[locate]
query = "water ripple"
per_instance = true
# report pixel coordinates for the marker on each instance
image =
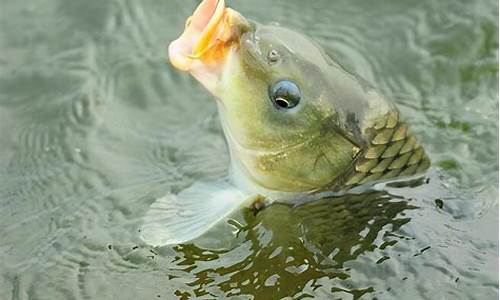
(95, 125)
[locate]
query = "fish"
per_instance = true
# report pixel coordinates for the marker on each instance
(296, 122)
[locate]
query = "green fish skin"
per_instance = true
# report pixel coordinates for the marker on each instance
(297, 124)
(342, 134)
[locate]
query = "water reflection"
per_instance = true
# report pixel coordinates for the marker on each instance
(94, 125)
(291, 250)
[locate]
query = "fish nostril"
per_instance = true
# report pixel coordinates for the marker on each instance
(273, 56)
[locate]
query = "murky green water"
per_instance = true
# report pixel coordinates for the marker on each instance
(94, 125)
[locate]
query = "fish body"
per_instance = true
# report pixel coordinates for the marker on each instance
(296, 122)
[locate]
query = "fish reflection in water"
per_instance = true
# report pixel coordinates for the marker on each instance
(293, 249)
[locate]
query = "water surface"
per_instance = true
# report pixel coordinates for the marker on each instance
(95, 125)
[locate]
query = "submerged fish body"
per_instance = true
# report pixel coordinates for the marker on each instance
(296, 122)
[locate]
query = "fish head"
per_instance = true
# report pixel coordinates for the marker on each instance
(292, 116)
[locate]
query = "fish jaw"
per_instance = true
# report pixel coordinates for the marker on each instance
(210, 35)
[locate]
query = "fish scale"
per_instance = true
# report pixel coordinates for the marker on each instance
(282, 148)
(393, 151)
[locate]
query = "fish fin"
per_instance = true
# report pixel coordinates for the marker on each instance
(175, 219)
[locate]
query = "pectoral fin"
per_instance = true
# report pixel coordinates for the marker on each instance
(179, 218)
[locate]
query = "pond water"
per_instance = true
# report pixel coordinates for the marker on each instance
(95, 125)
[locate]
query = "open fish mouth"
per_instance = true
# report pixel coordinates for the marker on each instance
(209, 35)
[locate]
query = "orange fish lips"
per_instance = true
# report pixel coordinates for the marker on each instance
(210, 33)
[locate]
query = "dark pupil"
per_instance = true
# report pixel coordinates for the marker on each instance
(284, 94)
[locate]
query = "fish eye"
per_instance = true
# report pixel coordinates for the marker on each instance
(284, 94)
(273, 56)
